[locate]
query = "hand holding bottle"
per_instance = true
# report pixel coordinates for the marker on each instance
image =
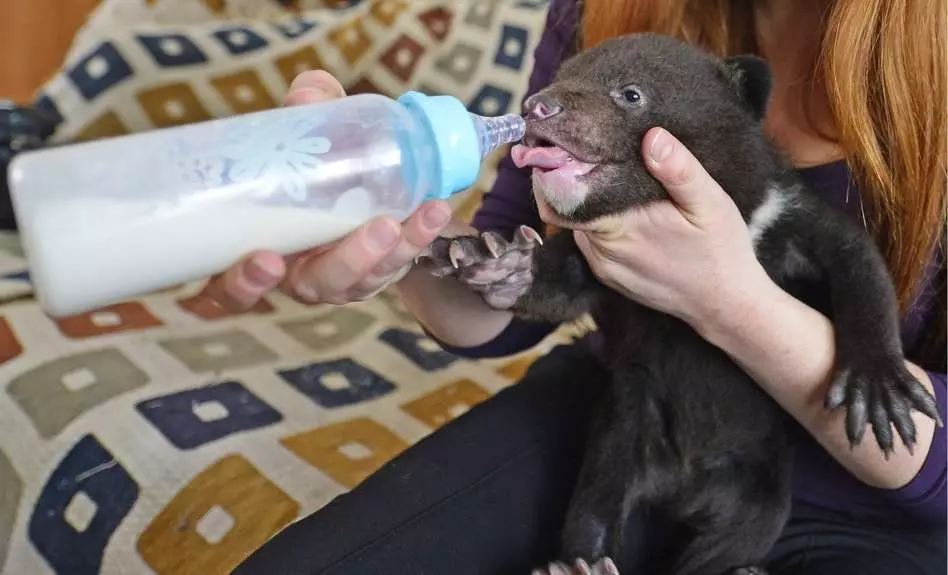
(350, 269)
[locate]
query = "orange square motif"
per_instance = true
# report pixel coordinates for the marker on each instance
(514, 370)
(121, 317)
(295, 63)
(208, 309)
(446, 403)
(348, 451)
(107, 125)
(172, 105)
(352, 40)
(388, 11)
(244, 92)
(219, 518)
(10, 347)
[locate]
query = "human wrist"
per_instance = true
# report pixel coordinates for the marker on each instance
(727, 316)
(450, 311)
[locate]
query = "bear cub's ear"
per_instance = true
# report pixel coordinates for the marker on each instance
(752, 79)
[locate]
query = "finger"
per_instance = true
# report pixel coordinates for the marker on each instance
(328, 276)
(422, 228)
(418, 232)
(313, 86)
(244, 284)
(683, 177)
(600, 265)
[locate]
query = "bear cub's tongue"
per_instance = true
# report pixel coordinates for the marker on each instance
(549, 160)
(545, 158)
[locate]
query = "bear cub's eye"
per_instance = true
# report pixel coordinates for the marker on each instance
(631, 95)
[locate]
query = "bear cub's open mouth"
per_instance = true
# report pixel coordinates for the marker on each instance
(545, 157)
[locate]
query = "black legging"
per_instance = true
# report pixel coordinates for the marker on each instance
(487, 494)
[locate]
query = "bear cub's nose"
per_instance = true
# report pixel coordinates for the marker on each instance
(542, 106)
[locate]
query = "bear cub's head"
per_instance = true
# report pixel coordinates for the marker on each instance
(584, 131)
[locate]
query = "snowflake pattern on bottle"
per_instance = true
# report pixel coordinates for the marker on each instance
(276, 154)
(275, 159)
(273, 153)
(197, 162)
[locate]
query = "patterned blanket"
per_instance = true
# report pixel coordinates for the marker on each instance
(164, 436)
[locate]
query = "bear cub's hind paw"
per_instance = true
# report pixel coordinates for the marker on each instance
(604, 566)
(749, 571)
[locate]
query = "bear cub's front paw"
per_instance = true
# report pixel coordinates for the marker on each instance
(882, 393)
(498, 269)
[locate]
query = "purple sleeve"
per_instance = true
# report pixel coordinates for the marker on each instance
(509, 203)
(924, 496)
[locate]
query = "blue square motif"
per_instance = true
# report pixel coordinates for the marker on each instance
(22, 276)
(512, 48)
(491, 101)
(338, 383)
(170, 50)
(294, 28)
(239, 40)
(101, 69)
(91, 471)
(410, 345)
(47, 105)
(532, 4)
(194, 417)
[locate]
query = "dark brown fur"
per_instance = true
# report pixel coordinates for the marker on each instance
(682, 430)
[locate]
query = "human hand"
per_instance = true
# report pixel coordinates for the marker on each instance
(691, 257)
(353, 268)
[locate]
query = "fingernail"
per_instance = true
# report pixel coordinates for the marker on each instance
(661, 146)
(310, 94)
(305, 81)
(262, 273)
(382, 234)
(300, 81)
(436, 215)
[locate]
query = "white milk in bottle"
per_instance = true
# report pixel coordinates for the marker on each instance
(105, 221)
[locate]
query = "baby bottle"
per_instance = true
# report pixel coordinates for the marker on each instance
(112, 219)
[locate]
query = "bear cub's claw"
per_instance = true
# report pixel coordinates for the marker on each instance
(604, 566)
(880, 394)
(498, 269)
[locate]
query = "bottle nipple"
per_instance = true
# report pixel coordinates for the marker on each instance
(461, 139)
(494, 132)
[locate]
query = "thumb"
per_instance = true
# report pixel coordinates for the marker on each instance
(682, 175)
(313, 86)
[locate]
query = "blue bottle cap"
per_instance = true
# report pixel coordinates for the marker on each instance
(455, 138)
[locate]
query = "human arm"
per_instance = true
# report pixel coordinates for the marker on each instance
(359, 265)
(351, 269)
(719, 287)
(378, 254)
(508, 205)
(794, 364)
